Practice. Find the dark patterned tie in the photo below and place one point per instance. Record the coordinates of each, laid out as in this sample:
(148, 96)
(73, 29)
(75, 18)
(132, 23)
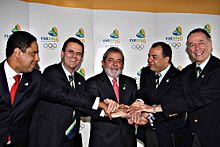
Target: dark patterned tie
(71, 131)
(198, 71)
(157, 79)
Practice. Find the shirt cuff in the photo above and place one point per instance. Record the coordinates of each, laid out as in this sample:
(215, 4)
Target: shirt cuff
(102, 114)
(140, 100)
(96, 104)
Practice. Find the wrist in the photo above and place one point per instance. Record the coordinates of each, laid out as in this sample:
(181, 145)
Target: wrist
(154, 106)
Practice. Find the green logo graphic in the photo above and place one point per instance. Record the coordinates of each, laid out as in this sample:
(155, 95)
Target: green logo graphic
(208, 28)
(80, 33)
(141, 34)
(115, 34)
(53, 32)
(178, 31)
(16, 28)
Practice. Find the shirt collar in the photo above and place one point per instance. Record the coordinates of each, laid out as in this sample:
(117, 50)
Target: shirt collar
(67, 73)
(164, 71)
(202, 66)
(110, 78)
(9, 72)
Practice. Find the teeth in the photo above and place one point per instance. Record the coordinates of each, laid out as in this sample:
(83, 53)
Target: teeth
(199, 53)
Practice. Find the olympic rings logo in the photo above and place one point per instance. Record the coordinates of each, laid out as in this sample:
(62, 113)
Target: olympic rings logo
(137, 46)
(50, 45)
(175, 45)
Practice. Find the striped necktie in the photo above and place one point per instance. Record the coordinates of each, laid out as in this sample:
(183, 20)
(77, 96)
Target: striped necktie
(71, 131)
(157, 79)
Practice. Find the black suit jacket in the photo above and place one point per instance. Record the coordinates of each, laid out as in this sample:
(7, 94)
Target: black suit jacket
(151, 95)
(201, 98)
(50, 121)
(116, 132)
(15, 120)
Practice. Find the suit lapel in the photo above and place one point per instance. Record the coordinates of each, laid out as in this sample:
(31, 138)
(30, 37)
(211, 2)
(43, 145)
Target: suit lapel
(4, 91)
(78, 83)
(107, 86)
(123, 87)
(22, 88)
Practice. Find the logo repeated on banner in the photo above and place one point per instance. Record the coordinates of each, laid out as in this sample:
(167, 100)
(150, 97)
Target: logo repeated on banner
(113, 41)
(82, 72)
(80, 34)
(50, 42)
(139, 41)
(137, 78)
(15, 29)
(176, 39)
(208, 28)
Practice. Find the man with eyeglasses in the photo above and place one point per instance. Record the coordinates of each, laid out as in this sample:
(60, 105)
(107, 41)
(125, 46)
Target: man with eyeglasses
(197, 95)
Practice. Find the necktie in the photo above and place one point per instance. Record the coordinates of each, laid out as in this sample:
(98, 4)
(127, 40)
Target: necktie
(71, 131)
(12, 94)
(116, 88)
(71, 81)
(198, 71)
(14, 88)
(157, 79)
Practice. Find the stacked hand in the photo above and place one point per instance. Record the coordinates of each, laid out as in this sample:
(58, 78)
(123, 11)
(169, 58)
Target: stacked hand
(137, 113)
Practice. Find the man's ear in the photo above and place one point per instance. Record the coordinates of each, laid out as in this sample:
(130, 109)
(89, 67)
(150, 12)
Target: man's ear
(17, 52)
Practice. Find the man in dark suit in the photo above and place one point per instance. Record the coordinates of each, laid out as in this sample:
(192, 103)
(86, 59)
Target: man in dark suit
(197, 92)
(15, 114)
(160, 134)
(60, 117)
(116, 132)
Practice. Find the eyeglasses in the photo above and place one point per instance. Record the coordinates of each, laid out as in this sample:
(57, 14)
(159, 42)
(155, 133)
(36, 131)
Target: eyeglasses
(200, 44)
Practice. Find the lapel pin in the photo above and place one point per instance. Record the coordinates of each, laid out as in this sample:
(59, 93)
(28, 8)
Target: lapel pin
(79, 83)
(168, 80)
(202, 76)
(26, 84)
(124, 87)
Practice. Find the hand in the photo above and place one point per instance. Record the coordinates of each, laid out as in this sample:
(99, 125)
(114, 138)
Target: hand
(142, 120)
(120, 112)
(104, 106)
(112, 105)
(151, 109)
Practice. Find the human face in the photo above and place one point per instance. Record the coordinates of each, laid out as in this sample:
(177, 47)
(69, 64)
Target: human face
(72, 56)
(27, 61)
(156, 61)
(199, 47)
(113, 64)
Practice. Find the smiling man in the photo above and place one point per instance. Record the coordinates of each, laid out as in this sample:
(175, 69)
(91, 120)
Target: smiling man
(21, 88)
(113, 84)
(197, 93)
(60, 117)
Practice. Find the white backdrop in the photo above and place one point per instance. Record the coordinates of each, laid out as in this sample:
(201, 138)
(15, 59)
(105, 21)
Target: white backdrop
(133, 32)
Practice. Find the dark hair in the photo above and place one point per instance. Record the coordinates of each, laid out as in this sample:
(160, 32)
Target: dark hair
(113, 50)
(74, 40)
(200, 30)
(166, 49)
(21, 40)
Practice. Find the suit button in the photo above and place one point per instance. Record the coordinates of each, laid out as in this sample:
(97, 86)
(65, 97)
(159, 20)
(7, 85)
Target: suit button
(195, 120)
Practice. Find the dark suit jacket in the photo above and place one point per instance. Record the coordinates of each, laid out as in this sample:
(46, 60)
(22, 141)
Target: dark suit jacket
(50, 121)
(116, 132)
(150, 95)
(15, 120)
(201, 98)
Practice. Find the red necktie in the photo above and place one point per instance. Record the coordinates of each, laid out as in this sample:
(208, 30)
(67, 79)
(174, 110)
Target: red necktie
(14, 88)
(116, 88)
